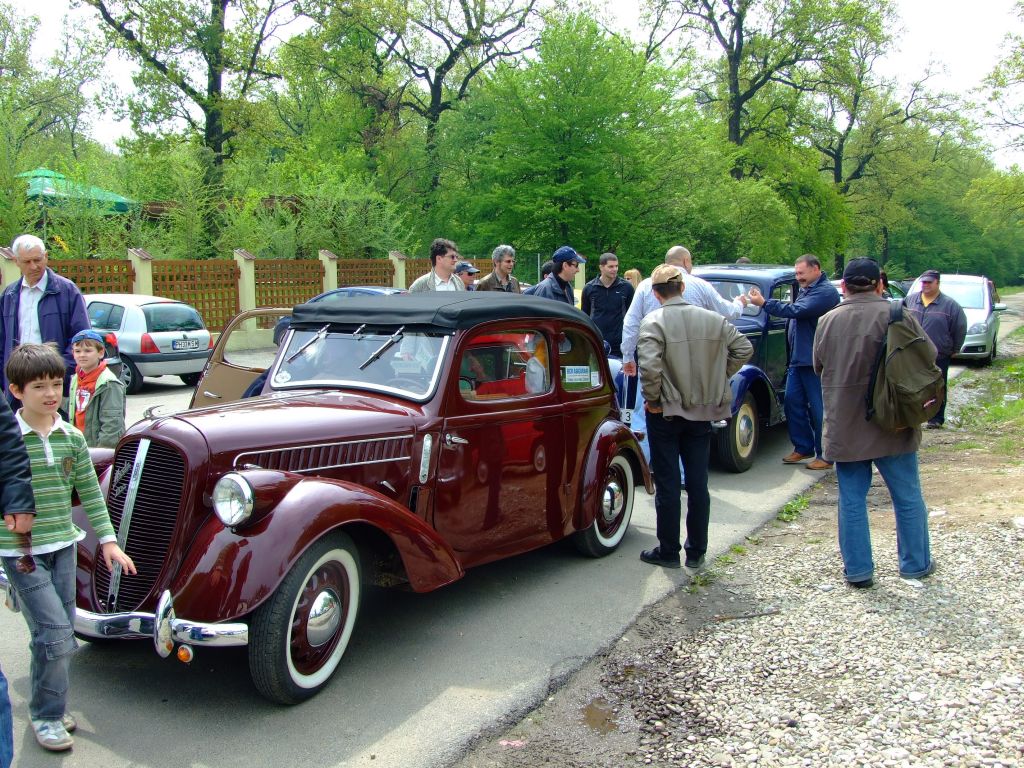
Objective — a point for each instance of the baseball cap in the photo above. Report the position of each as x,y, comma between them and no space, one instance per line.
85,334
666,273
862,273
465,266
930,274
567,253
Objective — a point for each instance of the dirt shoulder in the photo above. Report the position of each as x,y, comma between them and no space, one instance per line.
772,660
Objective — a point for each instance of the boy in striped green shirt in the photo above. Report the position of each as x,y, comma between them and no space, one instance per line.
41,565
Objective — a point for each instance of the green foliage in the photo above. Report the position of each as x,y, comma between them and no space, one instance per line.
792,509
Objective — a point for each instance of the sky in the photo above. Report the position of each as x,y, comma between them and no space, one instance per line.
962,46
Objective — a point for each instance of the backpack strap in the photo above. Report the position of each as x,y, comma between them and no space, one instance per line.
895,316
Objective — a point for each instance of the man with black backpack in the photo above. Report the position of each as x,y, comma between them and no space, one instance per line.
846,346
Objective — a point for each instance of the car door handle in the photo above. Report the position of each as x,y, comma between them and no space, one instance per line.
208,393
450,440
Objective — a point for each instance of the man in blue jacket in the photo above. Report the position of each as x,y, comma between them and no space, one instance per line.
42,306
558,285
945,322
803,386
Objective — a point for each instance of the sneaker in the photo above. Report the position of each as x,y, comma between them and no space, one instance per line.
927,572
52,735
654,557
863,583
695,563
69,722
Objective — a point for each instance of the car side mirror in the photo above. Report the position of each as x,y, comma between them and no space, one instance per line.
998,307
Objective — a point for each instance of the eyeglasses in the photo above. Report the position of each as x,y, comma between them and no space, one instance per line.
26,563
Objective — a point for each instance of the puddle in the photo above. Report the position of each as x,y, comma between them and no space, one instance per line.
599,716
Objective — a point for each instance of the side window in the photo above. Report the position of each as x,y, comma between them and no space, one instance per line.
99,315
116,313
783,292
506,365
579,363
729,289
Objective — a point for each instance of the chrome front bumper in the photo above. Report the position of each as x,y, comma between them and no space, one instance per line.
162,627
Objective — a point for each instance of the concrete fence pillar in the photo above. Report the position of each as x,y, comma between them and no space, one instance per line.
8,269
398,259
246,279
580,281
142,263
330,262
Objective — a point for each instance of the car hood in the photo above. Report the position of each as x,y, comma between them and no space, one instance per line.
976,316
297,419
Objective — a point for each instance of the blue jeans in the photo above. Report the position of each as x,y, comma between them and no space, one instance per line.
6,725
47,599
901,478
804,410
676,439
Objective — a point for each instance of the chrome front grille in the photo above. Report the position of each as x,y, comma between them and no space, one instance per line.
310,458
150,521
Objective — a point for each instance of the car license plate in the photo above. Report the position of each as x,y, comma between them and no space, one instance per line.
185,344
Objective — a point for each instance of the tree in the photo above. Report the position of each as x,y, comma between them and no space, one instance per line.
1004,82
770,50
441,47
195,69
43,113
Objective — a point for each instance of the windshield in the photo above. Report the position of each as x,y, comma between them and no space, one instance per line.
387,360
967,295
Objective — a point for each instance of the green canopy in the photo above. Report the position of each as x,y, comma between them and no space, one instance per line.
52,188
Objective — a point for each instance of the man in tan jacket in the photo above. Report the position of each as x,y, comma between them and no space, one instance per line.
846,344
687,355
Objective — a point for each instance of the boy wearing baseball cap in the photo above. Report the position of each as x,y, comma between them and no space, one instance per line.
96,396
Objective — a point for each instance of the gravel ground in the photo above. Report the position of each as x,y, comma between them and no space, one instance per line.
771,660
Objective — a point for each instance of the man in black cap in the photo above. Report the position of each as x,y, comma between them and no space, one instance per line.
846,344
558,285
945,322
465,271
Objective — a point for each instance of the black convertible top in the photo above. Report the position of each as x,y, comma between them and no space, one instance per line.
439,311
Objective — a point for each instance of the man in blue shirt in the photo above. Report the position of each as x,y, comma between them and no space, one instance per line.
558,285
803,386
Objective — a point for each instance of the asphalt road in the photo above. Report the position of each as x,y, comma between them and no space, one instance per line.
424,675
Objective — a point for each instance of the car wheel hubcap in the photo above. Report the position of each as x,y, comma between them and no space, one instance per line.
324,618
613,502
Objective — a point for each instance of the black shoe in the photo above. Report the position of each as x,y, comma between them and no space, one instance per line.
933,425
695,563
654,557
863,583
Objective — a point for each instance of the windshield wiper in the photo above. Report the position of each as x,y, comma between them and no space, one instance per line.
394,339
316,339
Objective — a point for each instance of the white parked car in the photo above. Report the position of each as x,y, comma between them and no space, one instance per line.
155,336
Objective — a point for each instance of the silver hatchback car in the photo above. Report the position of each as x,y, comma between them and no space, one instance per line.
156,336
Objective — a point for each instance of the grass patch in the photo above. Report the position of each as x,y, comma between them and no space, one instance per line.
1010,290
701,580
997,403
738,549
968,445
793,509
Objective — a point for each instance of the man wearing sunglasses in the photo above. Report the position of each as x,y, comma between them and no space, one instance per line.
444,256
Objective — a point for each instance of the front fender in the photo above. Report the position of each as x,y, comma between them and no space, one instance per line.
226,573
751,378
611,439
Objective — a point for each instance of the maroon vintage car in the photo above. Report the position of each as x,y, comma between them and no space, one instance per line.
396,441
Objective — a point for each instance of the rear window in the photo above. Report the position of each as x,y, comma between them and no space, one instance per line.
105,316
171,317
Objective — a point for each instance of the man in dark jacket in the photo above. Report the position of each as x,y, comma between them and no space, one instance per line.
42,306
18,507
558,285
945,322
606,299
845,348
504,260
803,387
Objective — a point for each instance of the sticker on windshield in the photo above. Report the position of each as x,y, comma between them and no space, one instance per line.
282,377
576,374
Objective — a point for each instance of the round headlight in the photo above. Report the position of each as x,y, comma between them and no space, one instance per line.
232,499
